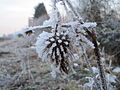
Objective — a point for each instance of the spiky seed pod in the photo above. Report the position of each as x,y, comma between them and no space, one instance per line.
60,47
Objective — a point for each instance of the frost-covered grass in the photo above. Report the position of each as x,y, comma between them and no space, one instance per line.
117,70
12,75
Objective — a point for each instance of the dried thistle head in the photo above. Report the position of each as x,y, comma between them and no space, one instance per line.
59,51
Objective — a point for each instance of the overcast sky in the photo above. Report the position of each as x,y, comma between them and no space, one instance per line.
14,14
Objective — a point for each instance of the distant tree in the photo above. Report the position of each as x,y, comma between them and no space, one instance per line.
104,12
39,10
96,10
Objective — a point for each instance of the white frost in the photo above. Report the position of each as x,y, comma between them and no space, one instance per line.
76,65
57,34
66,43
89,24
95,70
55,70
90,83
58,52
54,45
63,37
76,56
41,44
117,69
47,42
52,39
102,59
61,48
59,41
111,78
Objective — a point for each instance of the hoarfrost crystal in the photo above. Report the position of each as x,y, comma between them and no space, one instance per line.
59,41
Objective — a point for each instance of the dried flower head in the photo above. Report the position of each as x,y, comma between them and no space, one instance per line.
59,47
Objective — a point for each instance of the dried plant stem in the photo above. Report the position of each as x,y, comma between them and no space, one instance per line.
97,53
90,68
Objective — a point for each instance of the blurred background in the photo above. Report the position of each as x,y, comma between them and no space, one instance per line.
22,21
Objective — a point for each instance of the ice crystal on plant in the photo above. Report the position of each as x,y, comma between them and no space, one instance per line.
59,41
55,50
42,43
